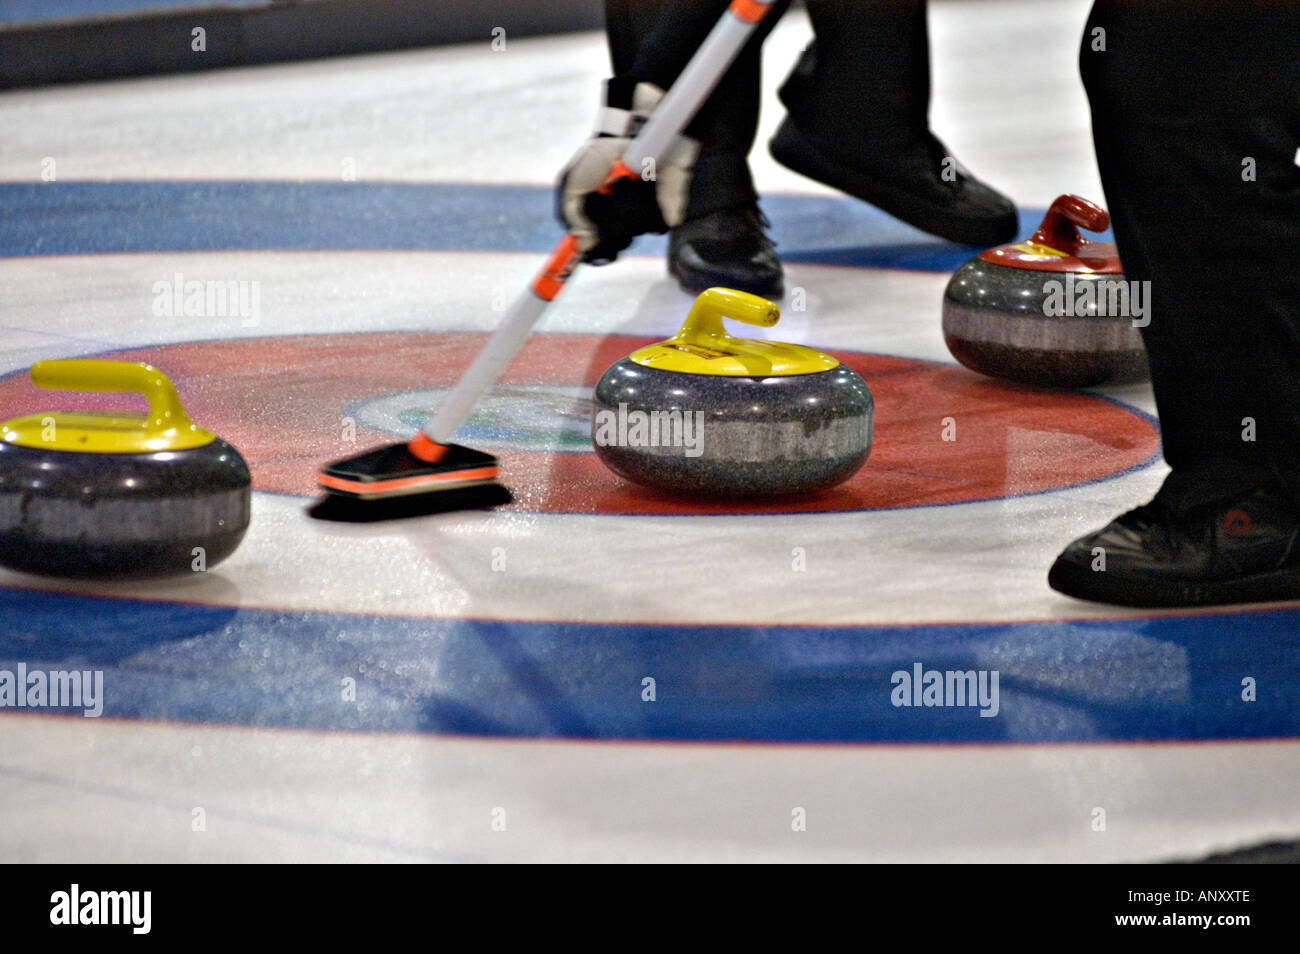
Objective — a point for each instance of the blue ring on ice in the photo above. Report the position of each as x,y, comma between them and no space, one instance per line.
1163,678
86,218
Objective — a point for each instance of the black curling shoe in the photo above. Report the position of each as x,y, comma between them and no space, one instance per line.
1244,550
921,184
727,248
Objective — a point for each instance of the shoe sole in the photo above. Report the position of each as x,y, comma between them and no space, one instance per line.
790,149
696,282
1156,593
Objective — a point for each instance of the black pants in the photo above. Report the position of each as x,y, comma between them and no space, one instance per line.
1196,118
865,84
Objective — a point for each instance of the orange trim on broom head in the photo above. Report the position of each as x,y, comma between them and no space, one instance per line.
376,487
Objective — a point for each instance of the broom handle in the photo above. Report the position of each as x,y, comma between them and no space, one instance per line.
660,132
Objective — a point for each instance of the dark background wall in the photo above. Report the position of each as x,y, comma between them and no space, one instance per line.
76,40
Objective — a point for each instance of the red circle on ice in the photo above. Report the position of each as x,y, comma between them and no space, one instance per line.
942,434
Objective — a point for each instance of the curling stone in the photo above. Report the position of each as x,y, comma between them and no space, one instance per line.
1053,311
711,414
114,494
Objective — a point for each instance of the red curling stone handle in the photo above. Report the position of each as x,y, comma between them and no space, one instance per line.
1061,224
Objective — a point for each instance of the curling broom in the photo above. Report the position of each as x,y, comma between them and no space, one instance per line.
429,474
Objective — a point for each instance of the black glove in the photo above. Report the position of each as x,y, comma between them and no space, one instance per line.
605,222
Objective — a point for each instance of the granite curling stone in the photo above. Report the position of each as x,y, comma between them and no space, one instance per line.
1053,311
103,495
710,414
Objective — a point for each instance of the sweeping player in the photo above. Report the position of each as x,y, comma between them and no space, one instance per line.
858,105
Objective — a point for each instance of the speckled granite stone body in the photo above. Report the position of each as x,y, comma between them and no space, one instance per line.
994,322
89,515
786,434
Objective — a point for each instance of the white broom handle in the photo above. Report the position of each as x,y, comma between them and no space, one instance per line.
657,136
693,86
496,354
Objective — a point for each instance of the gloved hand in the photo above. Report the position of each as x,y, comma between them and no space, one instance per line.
605,222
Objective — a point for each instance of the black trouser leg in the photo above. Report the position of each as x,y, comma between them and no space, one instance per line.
1196,119
866,81
652,41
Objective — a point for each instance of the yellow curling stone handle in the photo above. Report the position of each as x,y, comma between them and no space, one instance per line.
166,426
703,345
704,321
